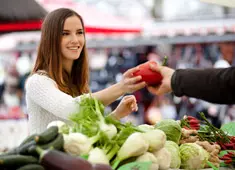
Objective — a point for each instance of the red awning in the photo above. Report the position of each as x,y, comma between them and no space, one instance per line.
23,15
20,26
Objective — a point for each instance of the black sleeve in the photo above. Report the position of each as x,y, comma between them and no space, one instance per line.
212,85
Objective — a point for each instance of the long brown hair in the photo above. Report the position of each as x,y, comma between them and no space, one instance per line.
49,57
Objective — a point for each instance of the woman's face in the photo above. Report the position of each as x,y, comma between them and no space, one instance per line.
72,39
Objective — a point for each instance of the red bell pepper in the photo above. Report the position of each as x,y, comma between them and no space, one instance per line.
152,78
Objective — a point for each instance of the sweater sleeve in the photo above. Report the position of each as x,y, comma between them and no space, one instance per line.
212,85
44,92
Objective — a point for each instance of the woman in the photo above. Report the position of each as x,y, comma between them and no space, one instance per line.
61,74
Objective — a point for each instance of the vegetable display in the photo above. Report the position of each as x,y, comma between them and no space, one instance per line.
96,141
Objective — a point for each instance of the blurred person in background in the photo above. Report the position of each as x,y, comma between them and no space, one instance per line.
61,74
226,57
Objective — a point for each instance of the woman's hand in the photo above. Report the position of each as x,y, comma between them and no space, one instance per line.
165,86
126,106
131,83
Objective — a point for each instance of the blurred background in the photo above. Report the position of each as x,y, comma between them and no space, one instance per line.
120,35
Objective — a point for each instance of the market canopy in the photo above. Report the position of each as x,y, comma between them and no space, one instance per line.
20,15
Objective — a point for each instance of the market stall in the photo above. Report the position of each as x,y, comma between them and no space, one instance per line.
97,141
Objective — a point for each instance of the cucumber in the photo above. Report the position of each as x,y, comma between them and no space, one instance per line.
57,144
31,167
23,150
16,160
28,139
47,136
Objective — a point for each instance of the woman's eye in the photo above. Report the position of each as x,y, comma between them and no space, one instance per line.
65,33
80,32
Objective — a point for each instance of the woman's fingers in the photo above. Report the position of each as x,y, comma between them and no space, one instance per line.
131,101
129,73
133,80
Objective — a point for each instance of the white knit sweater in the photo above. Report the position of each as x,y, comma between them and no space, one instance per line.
46,103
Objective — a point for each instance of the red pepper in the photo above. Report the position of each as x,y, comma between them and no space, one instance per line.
149,76
228,161
229,145
222,145
191,118
194,124
194,121
225,157
232,139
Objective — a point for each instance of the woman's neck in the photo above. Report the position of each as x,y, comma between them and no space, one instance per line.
67,65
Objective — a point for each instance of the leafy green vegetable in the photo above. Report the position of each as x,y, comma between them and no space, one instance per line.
173,148
193,156
136,166
171,128
89,118
229,128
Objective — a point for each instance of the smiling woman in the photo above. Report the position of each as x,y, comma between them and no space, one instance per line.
61,74
72,41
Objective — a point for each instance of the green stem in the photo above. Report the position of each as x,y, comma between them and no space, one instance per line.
218,134
113,152
94,139
116,163
164,63
41,152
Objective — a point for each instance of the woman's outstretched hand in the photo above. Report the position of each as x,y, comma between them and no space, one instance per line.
126,106
131,83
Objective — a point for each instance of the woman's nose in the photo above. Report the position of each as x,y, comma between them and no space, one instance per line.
74,39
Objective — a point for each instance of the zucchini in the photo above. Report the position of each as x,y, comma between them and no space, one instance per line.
31,167
47,136
28,139
23,150
16,160
57,144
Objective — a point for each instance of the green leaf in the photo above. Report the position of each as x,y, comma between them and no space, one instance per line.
229,128
223,152
136,166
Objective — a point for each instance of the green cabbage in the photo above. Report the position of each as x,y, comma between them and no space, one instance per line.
171,128
173,148
193,156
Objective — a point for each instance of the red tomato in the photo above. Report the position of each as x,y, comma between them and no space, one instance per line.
150,77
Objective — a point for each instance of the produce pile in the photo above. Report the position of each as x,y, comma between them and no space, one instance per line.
95,141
